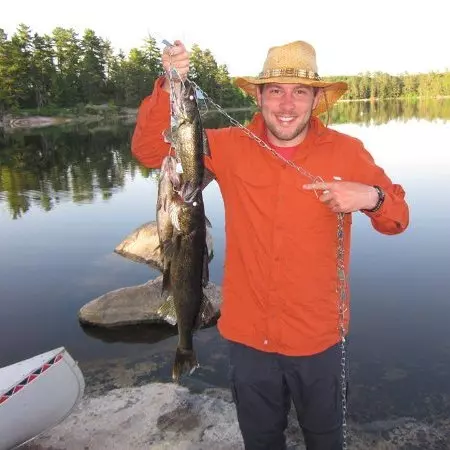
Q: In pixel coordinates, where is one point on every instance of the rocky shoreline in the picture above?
(33, 121)
(167, 416)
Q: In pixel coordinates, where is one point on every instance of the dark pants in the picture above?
(263, 385)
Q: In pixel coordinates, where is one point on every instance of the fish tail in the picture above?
(185, 361)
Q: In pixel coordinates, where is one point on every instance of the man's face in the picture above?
(286, 109)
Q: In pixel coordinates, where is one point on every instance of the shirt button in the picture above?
(266, 342)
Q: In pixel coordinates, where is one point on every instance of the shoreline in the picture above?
(33, 119)
(132, 405)
(165, 416)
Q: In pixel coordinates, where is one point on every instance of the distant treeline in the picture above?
(64, 70)
(379, 85)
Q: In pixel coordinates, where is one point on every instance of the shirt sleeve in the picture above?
(393, 216)
(147, 144)
(153, 117)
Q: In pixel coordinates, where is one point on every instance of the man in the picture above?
(280, 286)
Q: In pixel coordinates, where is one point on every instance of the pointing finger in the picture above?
(326, 197)
(316, 187)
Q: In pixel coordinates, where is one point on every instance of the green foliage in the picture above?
(64, 70)
(380, 85)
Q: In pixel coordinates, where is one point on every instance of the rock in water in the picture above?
(135, 305)
(142, 246)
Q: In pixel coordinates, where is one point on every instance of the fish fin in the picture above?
(167, 311)
(206, 314)
(185, 361)
(208, 223)
(168, 247)
(189, 191)
(175, 179)
(164, 203)
(167, 136)
(205, 267)
(208, 176)
(206, 150)
(173, 213)
(168, 169)
(209, 246)
(166, 275)
(161, 203)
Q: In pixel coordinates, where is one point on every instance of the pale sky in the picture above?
(350, 36)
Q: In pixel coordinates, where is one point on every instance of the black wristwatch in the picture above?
(379, 202)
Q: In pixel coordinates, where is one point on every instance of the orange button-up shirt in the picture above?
(280, 277)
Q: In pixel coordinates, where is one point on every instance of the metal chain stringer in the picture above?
(341, 276)
(343, 309)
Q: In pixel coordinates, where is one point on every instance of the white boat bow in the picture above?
(36, 394)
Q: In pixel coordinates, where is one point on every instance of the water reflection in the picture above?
(43, 168)
(381, 112)
(46, 167)
(131, 334)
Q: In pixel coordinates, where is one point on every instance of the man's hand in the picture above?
(175, 57)
(345, 196)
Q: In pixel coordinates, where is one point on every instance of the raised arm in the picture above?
(147, 144)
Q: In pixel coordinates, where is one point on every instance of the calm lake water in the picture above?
(69, 195)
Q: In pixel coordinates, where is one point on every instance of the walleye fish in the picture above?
(169, 181)
(186, 255)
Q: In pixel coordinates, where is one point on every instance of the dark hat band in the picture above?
(289, 72)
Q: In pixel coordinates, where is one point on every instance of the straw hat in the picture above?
(294, 63)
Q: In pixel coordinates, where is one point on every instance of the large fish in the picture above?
(186, 255)
(169, 182)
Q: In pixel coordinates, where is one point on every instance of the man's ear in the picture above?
(259, 89)
(317, 97)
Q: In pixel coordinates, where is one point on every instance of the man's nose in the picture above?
(287, 102)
